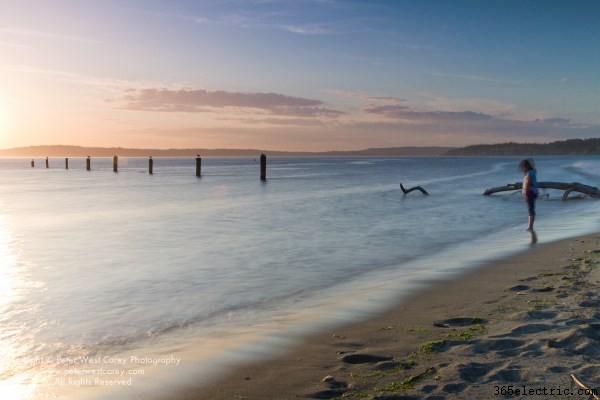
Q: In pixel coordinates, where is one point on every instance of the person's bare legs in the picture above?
(531, 221)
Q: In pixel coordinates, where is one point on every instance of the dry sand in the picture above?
(524, 323)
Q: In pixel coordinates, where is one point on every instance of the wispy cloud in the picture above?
(482, 105)
(476, 78)
(312, 29)
(246, 19)
(110, 84)
(42, 71)
(330, 27)
(404, 113)
(365, 96)
(289, 122)
(73, 77)
(14, 45)
(447, 116)
(48, 35)
(557, 121)
(275, 15)
(200, 100)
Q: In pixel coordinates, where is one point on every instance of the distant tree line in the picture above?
(562, 147)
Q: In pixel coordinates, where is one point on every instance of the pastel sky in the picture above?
(297, 74)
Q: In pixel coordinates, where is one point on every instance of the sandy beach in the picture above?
(518, 326)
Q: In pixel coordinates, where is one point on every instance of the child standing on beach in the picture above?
(530, 189)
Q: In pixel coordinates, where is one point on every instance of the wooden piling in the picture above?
(150, 165)
(88, 163)
(67, 163)
(198, 166)
(32, 163)
(263, 167)
(47, 163)
(116, 164)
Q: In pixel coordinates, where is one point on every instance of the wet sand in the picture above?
(524, 323)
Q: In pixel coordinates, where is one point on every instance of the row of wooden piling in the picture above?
(88, 165)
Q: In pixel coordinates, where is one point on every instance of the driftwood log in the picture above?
(588, 391)
(567, 187)
(406, 191)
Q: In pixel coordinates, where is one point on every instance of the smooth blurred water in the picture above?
(97, 262)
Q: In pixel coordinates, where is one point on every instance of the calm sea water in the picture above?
(165, 266)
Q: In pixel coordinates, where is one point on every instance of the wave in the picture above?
(588, 168)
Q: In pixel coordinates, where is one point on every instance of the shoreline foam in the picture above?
(457, 339)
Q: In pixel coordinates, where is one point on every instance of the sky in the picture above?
(305, 75)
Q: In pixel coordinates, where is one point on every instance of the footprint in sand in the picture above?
(530, 329)
(473, 372)
(531, 278)
(578, 341)
(455, 387)
(511, 374)
(589, 372)
(544, 289)
(326, 394)
(541, 314)
(502, 347)
(336, 389)
(364, 359)
(559, 370)
(590, 303)
(518, 288)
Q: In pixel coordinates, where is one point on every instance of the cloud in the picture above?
(288, 16)
(48, 35)
(477, 78)
(364, 96)
(388, 99)
(461, 127)
(200, 100)
(445, 111)
(557, 121)
(76, 78)
(452, 121)
(306, 29)
(383, 127)
(455, 132)
(404, 113)
(290, 122)
(40, 71)
(245, 19)
(482, 105)
(14, 45)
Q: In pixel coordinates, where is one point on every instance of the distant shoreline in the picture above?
(571, 147)
(77, 151)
